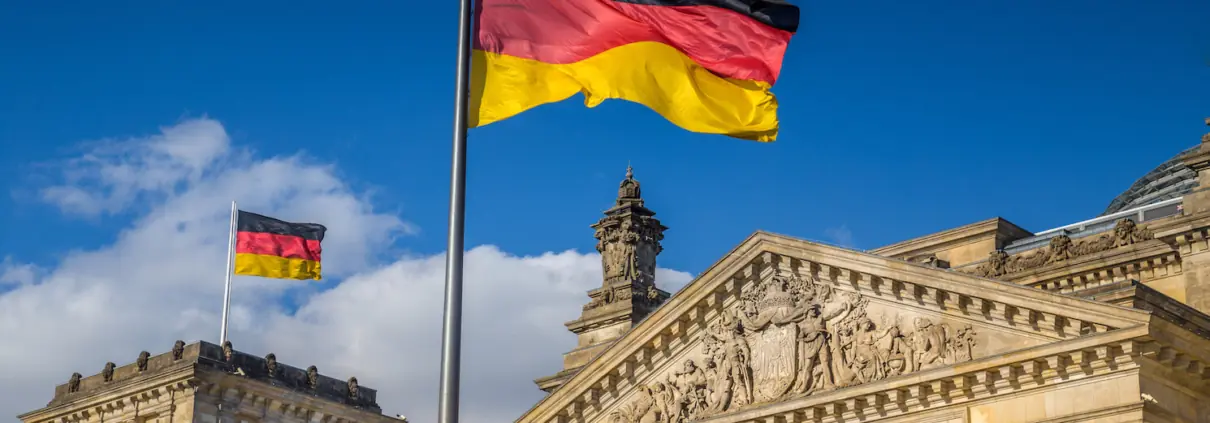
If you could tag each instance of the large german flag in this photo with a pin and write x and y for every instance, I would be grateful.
(705, 65)
(272, 248)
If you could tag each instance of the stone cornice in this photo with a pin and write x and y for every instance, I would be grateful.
(999, 303)
(959, 235)
(1152, 258)
(155, 388)
(243, 394)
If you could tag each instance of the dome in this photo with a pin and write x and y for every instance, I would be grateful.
(1168, 180)
(629, 189)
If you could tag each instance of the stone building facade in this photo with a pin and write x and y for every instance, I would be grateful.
(1103, 320)
(203, 382)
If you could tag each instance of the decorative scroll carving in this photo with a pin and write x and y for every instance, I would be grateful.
(643, 295)
(178, 350)
(1063, 248)
(790, 337)
(73, 384)
(271, 364)
(107, 372)
(312, 377)
(141, 362)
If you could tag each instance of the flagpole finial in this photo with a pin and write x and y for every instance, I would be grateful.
(629, 170)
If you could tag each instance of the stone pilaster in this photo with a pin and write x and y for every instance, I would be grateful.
(628, 238)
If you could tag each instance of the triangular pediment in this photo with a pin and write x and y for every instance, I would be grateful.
(781, 319)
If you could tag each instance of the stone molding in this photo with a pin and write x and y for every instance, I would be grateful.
(133, 398)
(1144, 261)
(1061, 250)
(1013, 308)
(207, 355)
(265, 402)
(998, 228)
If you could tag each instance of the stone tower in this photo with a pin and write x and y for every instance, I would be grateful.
(628, 238)
(203, 382)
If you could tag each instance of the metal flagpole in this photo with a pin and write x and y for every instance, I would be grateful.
(451, 333)
(227, 288)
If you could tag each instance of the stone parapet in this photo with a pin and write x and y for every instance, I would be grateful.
(207, 356)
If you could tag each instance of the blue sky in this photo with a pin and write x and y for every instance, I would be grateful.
(898, 118)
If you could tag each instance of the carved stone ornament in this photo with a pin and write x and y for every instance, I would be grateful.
(271, 365)
(178, 350)
(1206, 137)
(312, 377)
(628, 238)
(107, 372)
(228, 351)
(73, 384)
(352, 388)
(1063, 248)
(791, 337)
(141, 362)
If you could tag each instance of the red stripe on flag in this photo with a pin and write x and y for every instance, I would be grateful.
(277, 245)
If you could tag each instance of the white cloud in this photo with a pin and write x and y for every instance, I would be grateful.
(161, 280)
(13, 273)
(114, 174)
(840, 235)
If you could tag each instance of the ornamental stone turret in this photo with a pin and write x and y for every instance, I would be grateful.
(628, 238)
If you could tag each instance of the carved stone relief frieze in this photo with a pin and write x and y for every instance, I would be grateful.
(787, 337)
(1063, 248)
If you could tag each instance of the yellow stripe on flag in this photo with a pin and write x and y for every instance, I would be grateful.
(276, 267)
(652, 74)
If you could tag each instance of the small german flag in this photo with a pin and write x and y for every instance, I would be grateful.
(273, 248)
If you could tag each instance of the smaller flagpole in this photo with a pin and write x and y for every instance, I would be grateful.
(227, 288)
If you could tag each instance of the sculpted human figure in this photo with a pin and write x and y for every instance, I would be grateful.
(665, 403)
(628, 259)
(726, 346)
(863, 355)
(642, 410)
(1127, 232)
(178, 350)
(871, 361)
(997, 264)
(312, 377)
(271, 364)
(228, 351)
(813, 352)
(897, 349)
(141, 362)
(690, 384)
(107, 372)
(718, 387)
(962, 344)
(928, 344)
(73, 384)
(1060, 249)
